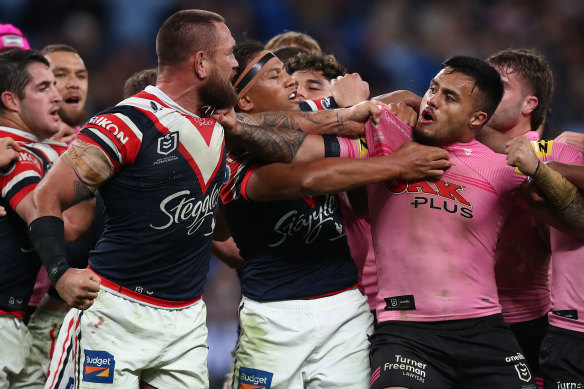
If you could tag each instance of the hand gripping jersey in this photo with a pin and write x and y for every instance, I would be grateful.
(435, 239)
(292, 248)
(522, 264)
(160, 204)
(18, 260)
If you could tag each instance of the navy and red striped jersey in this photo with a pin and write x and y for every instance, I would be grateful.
(19, 264)
(292, 248)
(160, 204)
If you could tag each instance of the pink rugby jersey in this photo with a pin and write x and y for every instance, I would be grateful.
(522, 264)
(358, 229)
(567, 276)
(435, 239)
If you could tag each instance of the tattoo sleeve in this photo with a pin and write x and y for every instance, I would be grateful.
(277, 136)
(273, 137)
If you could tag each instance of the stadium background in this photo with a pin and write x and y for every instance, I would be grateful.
(393, 44)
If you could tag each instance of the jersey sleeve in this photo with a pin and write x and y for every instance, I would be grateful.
(558, 152)
(239, 169)
(353, 147)
(116, 134)
(388, 135)
(20, 180)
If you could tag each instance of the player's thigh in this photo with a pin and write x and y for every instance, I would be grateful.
(15, 344)
(410, 357)
(274, 341)
(341, 358)
(183, 362)
(490, 357)
(117, 339)
(562, 359)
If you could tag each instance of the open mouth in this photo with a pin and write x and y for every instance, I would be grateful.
(292, 96)
(427, 116)
(73, 100)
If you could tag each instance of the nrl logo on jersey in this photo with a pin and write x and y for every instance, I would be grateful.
(168, 143)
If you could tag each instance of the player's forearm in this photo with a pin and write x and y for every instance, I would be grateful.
(401, 96)
(333, 175)
(573, 173)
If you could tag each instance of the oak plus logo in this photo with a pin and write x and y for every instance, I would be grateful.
(440, 195)
(168, 143)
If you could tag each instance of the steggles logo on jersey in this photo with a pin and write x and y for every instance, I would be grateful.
(254, 379)
(98, 367)
(180, 208)
(167, 143)
(308, 226)
(437, 188)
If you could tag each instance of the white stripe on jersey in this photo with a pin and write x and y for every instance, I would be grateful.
(106, 140)
(312, 105)
(50, 152)
(130, 124)
(17, 178)
(205, 157)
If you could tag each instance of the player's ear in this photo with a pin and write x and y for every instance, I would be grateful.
(10, 101)
(245, 103)
(477, 119)
(201, 64)
(529, 105)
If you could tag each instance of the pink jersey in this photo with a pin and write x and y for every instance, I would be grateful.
(567, 282)
(522, 264)
(435, 239)
(358, 229)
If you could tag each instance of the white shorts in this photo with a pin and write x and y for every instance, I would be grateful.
(122, 342)
(15, 344)
(44, 326)
(313, 343)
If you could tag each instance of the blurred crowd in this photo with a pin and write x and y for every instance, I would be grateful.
(393, 44)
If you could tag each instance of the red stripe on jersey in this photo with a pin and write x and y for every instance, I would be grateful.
(17, 198)
(69, 326)
(245, 180)
(16, 314)
(91, 141)
(319, 104)
(184, 152)
(118, 132)
(143, 298)
(204, 125)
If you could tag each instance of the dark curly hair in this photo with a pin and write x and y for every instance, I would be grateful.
(327, 64)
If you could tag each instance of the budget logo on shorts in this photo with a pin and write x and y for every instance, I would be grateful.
(98, 367)
(168, 143)
(523, 372)
(254, 379)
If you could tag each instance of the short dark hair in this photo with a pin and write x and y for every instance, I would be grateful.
(531, 65)
(58, 47)
(183, 33)
(327, 64)
(244, 52)
(14, 74)
(139, 80)
(487, 80)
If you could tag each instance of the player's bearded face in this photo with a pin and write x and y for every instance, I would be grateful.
(218, 92)
(72, 117)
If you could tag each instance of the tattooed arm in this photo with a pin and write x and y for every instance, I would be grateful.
(278, 136)
(72, 179)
